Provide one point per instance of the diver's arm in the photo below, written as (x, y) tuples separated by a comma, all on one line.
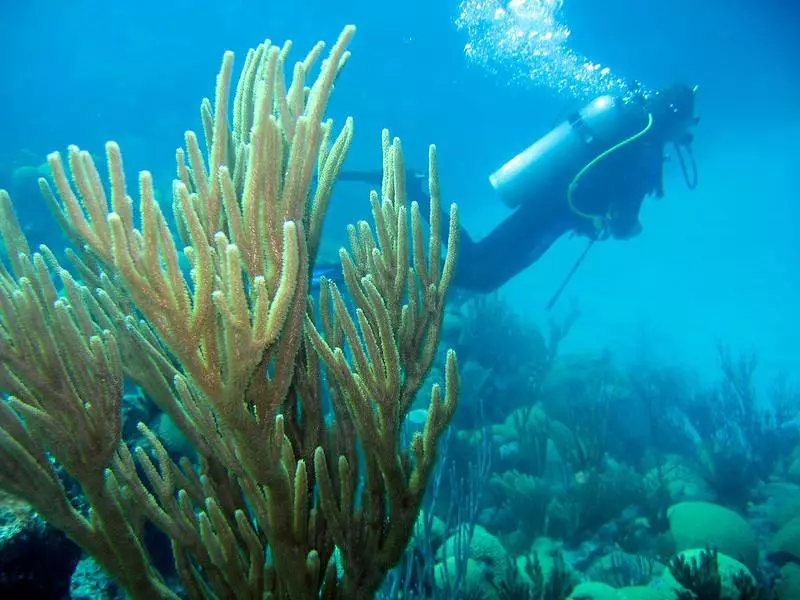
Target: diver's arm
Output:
[(374, 178), (639, 176)]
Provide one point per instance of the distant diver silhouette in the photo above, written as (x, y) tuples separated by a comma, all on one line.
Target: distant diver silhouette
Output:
[(589, 175)]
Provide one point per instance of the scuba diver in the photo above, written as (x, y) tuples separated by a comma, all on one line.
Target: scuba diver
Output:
[(589, 175)]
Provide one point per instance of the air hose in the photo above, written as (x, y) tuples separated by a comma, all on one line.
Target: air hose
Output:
[(691, 180), (554, 298), (599, 220)]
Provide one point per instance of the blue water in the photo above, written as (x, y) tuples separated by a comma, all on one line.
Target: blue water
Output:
[(716, 264)]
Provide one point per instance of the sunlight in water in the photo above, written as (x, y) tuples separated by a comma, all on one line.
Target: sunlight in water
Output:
[(525, 41)]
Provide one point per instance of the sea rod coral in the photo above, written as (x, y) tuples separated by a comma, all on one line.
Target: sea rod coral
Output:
[(302, 487)]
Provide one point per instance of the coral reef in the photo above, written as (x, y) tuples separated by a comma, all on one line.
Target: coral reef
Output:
[(627, 467), (302, 487)]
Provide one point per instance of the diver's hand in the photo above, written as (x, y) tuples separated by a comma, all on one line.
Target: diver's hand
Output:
[(625, 231)]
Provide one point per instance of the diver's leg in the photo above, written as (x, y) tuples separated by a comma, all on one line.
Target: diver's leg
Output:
[(510, 248), (519, 241)]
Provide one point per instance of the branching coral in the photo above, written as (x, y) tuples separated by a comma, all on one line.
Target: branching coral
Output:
[(232, 350)]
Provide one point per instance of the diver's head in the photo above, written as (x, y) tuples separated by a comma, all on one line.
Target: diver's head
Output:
[(673, 113)]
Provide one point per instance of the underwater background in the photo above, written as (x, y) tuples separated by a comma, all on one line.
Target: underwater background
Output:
[(715, 263), (715, 267)]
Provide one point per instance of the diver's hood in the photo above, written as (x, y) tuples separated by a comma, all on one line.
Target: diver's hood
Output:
[(673, 110)]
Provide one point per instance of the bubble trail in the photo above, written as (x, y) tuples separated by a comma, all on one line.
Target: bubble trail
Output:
[(526, 42)]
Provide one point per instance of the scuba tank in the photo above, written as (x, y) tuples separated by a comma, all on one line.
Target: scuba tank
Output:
[(564, 155), (555, 159)]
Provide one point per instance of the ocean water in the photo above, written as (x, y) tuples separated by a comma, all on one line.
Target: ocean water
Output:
[(717, 264)]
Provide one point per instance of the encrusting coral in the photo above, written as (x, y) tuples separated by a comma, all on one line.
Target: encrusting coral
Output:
[(284, 501)]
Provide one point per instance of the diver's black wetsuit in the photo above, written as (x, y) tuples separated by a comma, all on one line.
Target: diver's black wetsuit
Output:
[(614, 189), (621, 183)]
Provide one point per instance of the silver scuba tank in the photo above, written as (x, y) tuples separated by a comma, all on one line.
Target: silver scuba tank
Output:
[(555, 158)]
